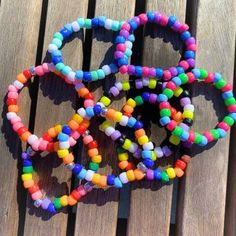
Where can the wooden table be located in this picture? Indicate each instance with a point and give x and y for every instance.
(201, 203)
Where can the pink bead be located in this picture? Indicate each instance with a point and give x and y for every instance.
(227, 87)
(125, 26)
(171, 85)
(15, 120)
(143, 18)
(12, 88)
(43, 144)
(87, 139)
(171, 125)
(166, 75)
(72, 141)
(45, 67)
(123, 69)
(37, 195)
(231, 108)
(39, 70)
(17, 125)
(163, 105)
(184, 64)
(13, 95)
(223, 125)
(145, 71)
(164, 20)
(209, 78)
(183, 28)
(88, 103)
(75, 135)
(192, 136)
(81, 190)
(35, 145)
(209, 136)
(121, 47)
(192, 47)
(191, 77)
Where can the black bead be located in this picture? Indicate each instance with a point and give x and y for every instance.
(185, 94)
(188, 121)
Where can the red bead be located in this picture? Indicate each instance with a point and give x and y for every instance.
(121, 47)
(180, 164)
(130, 166)
(171, 125)
(191, 77)
(27, 74)
(93, 144)
(173, 111)
(33, 188)
(46, 137)
(171, 85)
(209, 78)
(227, 87)
(127, 114)
(76, 195)
(11, 101)
(50, 147)
(81, 129)
(89, 96)
(163, 105)
(21, 130)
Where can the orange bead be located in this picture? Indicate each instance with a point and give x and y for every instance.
(21, 78)
(28, 183)
(179, 173)
(173, 111)
(138, 174)
(56, 146)
(123, 164)
(186, 158)
(139, 133)
(111, 114)
(128, 109)
(103, 181)
(71, 201)
(52, 132)
(83, 92)
(93, 152)
(73, 124)
(13, 108)
(68, 159)
(178, 116)
(25, 136)
(85, 123)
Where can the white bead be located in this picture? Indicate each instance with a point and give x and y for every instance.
(129, 44)
(18, 84)
(145, 81)
(148, 146)
(75, 26)
(32, 138)
(89, 175)
(64, 145)
(11, 115)
(124, 120)
(109, 131)
(159, 152)
(81, 112)
(133, 148)
(71, 76)
(164, 85)
(106, 69)
(108, 24)
(118, 84)
(123, 178)
(52, 47)
(189, 107)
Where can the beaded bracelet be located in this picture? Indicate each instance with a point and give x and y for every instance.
(66, 32)
(122, 55)
(192, 136)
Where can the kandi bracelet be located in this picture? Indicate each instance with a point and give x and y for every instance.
(122, 56)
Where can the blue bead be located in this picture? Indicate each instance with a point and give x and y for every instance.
(185, 35)
(146, 154)
(95, 23)
(133, 25)
(131, 122)
(151, 16)
(66, 130)
(102, 20)
(180, 70)
(221, 132)
(217, 77)
(57, 53)
(189, 54)
(122, 61)
(157, 174)
(62, 137)
(184, 136)
(97, 109)
(138, 125)
(177, 81)
(117, 183)
(87, 76)
(162, 98)
(131, 38)
(233, 115)
(27, 163)
(204, 141)
(228, 94)
(82, 174)
(113, 68)
(120, 39)
(89, 111)
(146, 96)
(148, 163)
(79, 74)
(57, 60)
(77, 168)
(159, 72)
(65, 32)
(51, 208)
(171, 21)
(138, 71)
(196, 73)
(111, 180)
(164, 120)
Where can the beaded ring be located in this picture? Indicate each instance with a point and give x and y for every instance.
(66, 32)
(123, 53)
(228, 97)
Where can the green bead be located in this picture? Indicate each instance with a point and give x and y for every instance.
(94, 75)
(230, 101)
(58, 35)
(57, 203)
(220, 84)
(120, 150)
(28, 169)
(164, 177)
(198, 137)
(165, 112)
(215, 134)
(101, 74)
(93, 166)
(177, 131)
(184, 78)
(59, 66)
(203, 74)
(168, 92)
(87, 23)
(128, 52)
(138, 100)
(115, 25)
(229, 120)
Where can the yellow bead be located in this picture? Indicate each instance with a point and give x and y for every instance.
(105, 125)
(25, 177)
(123, 156)
(178, 91)
(118, 116)
(131, 102)
(58, 128)
(171, 173)
(77, 118)
(64, 200)
(62, 153)
(125, 85)
(154, 156)
(105, 100)
(96, 178)
(188, 114)
(97, 159)
(152, 83)
(130, 175)
(127, 144)
(142, 140)
(174, 140)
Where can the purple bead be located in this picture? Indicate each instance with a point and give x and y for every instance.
(131, 69)
(138, 84)
(137, 153)
(167, 152)
(45, 203)
(173, 71)
(187, 144)
(150, 174)
(185, 101)
(124, 33)
(164, 85)
(24, 156)
(115, 91)
(190, 40)
(115, 135)
(152, 98)
(137, 20)
(157, 17)
(176, 26)
(118, 54)
(152, 72)
(184, 126)
(191, 62)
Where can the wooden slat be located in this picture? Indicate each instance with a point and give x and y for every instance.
(101, 207)
(18, 42)
(202, 195)
(55, 106)
(150, 207)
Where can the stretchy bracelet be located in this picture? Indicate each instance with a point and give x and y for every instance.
(66, 32)
(123, 53)
(192, 136)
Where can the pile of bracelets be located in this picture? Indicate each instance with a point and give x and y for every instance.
(162, 88)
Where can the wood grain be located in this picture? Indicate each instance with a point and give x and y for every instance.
(101, 206)
(201, 208)
(18, 42)
(55, 105)
(151, 203)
